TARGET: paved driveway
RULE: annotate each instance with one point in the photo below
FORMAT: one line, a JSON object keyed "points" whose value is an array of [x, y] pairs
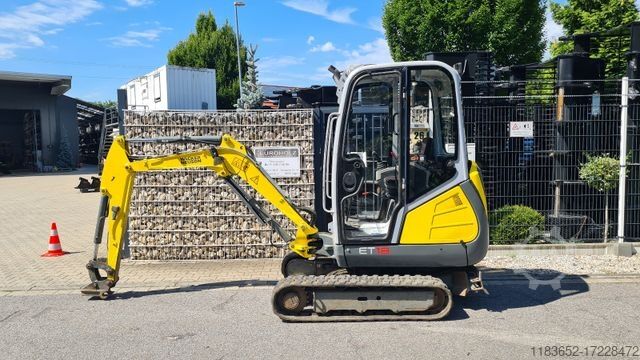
{"points": [[28, 205], [237, 323]]}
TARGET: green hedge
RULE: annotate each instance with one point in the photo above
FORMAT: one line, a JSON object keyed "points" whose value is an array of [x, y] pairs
{"points": [[514, 223]]}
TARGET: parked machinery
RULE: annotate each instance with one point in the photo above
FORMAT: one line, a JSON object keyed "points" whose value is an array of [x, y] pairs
{"points": [[408, 210]]}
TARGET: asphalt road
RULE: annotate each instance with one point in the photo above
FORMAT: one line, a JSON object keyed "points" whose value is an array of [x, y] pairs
{"points": [[220, 322]]}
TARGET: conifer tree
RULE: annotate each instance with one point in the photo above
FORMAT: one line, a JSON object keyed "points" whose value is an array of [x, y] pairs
{"points": [[251, 92]]}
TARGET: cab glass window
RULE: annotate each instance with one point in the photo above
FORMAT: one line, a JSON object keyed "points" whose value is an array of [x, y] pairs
{"points": [[433, 133], [370, 162]]}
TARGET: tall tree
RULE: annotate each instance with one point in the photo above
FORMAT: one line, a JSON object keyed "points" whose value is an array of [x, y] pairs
{"points": [[585, 16], [214, 48], [251, 92], [512, 29], [517, 34]]}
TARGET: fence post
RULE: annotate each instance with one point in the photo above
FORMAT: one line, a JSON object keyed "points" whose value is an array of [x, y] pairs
{"points": [[622, 189]]}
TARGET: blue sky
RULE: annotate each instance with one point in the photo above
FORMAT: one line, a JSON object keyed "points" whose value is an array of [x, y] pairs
{"points": [[104, 43]]}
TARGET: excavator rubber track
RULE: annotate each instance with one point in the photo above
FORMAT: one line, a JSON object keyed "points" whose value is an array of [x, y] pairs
{"points": [[354, 295]]}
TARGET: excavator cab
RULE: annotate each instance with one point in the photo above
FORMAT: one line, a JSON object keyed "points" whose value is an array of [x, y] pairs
{"points": [[408, 208], [398, 185]]}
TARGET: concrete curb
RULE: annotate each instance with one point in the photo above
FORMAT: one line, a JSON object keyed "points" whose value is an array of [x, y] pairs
{"points": [[490, 277], [561, 249]]}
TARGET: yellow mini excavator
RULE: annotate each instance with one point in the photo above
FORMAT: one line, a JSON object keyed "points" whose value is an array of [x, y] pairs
{"points": [[408, 209]]}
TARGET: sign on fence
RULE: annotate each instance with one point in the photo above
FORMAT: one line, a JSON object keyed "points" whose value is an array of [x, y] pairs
{"points": [[521, 129], [279, 162]]}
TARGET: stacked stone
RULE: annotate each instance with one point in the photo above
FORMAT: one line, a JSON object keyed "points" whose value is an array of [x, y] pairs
{"points": [[192, 214]]}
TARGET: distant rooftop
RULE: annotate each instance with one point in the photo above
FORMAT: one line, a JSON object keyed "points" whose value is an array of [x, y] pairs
{"points": [[269, 90], [168, 67], [60, 84]]}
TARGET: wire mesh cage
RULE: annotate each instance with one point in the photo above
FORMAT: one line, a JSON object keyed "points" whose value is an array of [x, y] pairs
{"points": [[192, 214]]}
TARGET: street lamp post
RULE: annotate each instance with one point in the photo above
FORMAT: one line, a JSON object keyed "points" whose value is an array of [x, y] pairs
{"points": [[237, 4]]}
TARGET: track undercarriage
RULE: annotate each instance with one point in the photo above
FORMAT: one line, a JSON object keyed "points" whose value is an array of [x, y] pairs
{"points": [[311, 298], [317, 291]]}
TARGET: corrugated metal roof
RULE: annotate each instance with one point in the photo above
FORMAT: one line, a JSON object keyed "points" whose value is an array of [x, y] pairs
{"points": [[32, 77]]}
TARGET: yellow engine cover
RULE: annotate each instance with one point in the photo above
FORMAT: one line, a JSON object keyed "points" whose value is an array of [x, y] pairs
{"points": [[446, 219]]}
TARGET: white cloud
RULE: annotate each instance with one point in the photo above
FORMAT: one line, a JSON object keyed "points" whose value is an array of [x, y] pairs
{"points": [[552, 31], [295, 79], [52, 31], [34, 40], [321, 8], [7, 51], [311, 39], [375, 52], [138, 3], [376, 24], [292, 70], [276, 63], [278, 70], [142, 38], [148, 23], [25, 26], [326, 47]]}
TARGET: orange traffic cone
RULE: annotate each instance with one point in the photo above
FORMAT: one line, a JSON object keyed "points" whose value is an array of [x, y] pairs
{"points": [[55, 248]]}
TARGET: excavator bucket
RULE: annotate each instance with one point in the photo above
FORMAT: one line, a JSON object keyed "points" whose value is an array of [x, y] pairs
{"points": [[95, 183], [84, 185]]}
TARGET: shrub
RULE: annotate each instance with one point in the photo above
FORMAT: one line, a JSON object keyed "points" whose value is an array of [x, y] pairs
{"points": [[514, 224], [601, 173]]}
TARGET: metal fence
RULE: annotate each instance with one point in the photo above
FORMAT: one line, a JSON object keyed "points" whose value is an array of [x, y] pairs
{"points": [[531, 145]]}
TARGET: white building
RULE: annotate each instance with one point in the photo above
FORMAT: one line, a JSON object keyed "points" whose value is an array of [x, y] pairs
{"points": [[173, 87]]}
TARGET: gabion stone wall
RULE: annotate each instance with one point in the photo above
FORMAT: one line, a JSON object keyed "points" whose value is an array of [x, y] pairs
{"points": [[193, 215]]}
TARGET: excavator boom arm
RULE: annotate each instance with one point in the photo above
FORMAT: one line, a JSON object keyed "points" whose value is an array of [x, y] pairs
{"points": [[226, 157]]}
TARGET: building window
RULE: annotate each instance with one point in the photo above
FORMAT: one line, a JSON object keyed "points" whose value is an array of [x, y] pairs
{"points": [[131, 96], [145, 89], [157, 91]]}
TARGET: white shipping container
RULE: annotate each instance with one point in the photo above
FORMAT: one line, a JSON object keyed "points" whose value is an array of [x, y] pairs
{"points": [[173, 87]]}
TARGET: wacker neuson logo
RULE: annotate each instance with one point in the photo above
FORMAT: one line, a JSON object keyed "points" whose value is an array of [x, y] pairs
{"points": [[193, 159]]}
